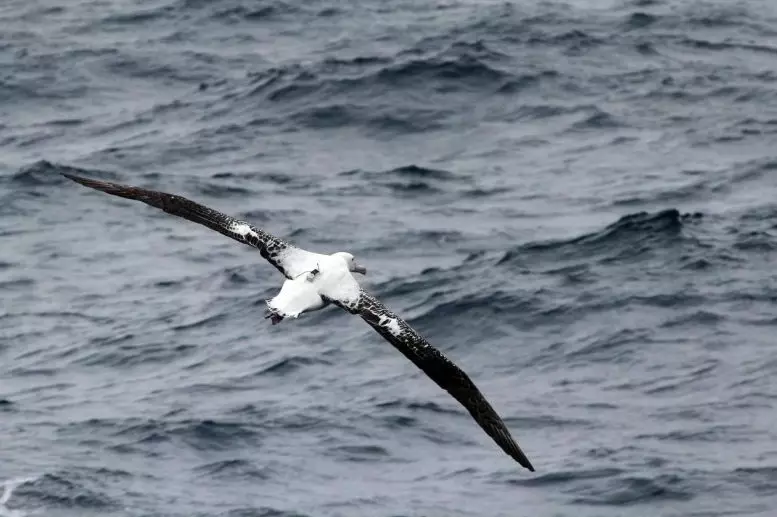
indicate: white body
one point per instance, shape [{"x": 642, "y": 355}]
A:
[
  {"x": 308, "y": 291},
  {"x": 297, "y": 296}
]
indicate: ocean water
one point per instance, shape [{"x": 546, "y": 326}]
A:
[{"x": 576, "y": 202}]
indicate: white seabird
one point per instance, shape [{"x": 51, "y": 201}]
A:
[{"x": 315, "y": 280}]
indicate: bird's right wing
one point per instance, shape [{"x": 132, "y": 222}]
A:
[
  {"x": 439, "y": 368},
  {"x": 287, "y": 258}
]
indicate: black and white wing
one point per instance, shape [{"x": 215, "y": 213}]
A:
[
  {"x": 288, "y": 259},
  {"x": 440, "y": 369}
]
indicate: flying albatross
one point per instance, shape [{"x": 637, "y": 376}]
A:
[{"x": 313, "y": 281}]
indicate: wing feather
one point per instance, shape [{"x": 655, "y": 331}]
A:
[
  {"x": 440, "y": 369},
  {"x": 287, "y": 258}
]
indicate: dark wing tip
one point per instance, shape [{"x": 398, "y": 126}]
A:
[
  {"x": 519, "y": 456},
  {"x": 506, "y": 442},
  {"x": 150, "y": 197},
  {"x": 77, "y": 179},
  {"x": 515, "y": 452},
  {"x": 87, "y": 182}
]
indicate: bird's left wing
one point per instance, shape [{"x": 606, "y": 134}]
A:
[
  {"x": 287, "y": 258},
  {"x": 439, "y": 368}
]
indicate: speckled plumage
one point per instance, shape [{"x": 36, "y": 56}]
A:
[
  {"x": 287, "y": 258},
  {"x": 441, "y": 370},
  {"x": 331, "y": 283}
]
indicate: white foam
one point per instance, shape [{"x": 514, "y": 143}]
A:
[{"x": 8, "y": 488}]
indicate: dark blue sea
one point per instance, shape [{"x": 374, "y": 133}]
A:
[{"x": 576, "y": 202}]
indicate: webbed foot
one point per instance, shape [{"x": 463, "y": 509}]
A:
[{"x": 274, "y": 317}]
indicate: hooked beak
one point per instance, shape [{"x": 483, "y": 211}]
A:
[{"x": 360, "y": 269}]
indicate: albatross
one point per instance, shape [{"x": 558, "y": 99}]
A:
[{"x": 314, "y": 281}]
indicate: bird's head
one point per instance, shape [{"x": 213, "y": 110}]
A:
[{"x": 351, "y": 262}]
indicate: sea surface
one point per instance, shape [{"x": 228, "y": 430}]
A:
[{"x": 575, "y": 201}]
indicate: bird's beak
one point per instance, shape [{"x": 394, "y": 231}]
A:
[{"x": 360, "y": 269}]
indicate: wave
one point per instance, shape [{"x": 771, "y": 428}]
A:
[
  {"x": 382, "y": 93},
  {"x": 77, "y": 488},
  {"x": 234, "y": 468},
  {"x": 360, "y": 453},
  {"x": 632, "y": 490},
  {"x": 416, "y": 406},
  {"x": 289, "y": 364},
  {"x": 9, "y": 487},
  {"x": 464, "y": 70},
  {"x": 562, "y": 477},
  {"x": 30, "y": 185},
  {"x": 426, "y": 85},
  {"x": 202, "y": 434},
  {"x": 629, "y": 237},
  {"x": 406, "y": 180},
  {"x": 272, "y": 11},
  {"x": 460, "y": 65},
  {"x": 411, "y": 171},
  {"x": 43, "y": 172},
  {"x": 262, "y": 511}
]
